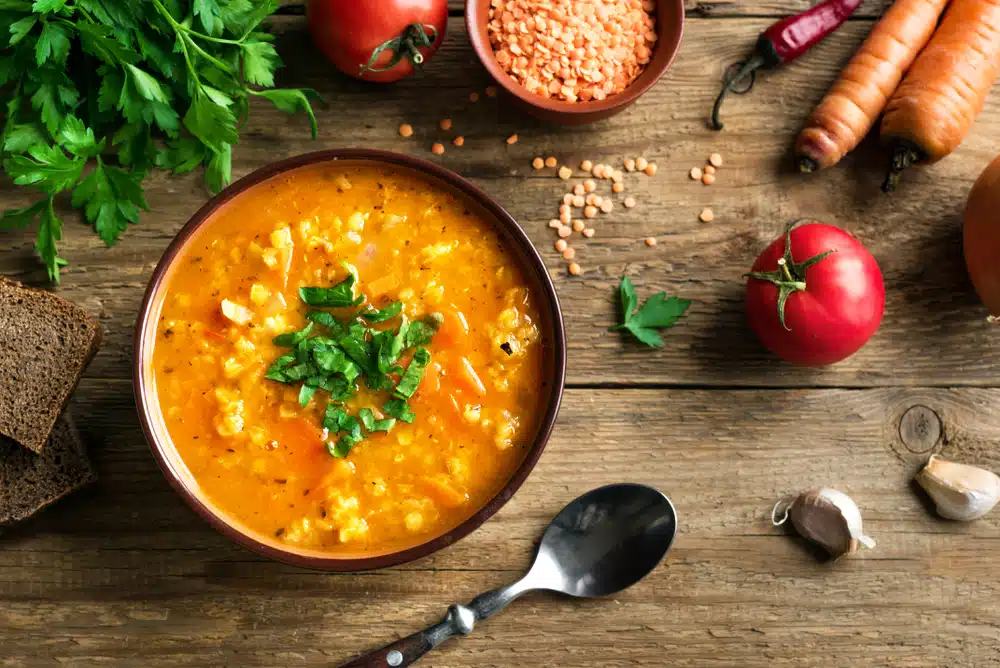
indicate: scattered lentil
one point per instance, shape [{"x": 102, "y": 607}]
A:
[
  {"x": 606, "y": 206},
  {"x": 565, "y": 231},
  {"x": 405, "y": 130},
  {"x": 567, "y": 199},
  {"x": 491, "y": 91},
  {"x": 458, "y": 141},
  {"x": 589, "y": 186},
  {"x": 708, "y": 179},
  {"x": 551, "y": 161},
  {"x": 617, "y": 177},
  {"x": 578, "y": 189},
  {"x": 650, "y": 241},
  {"x": 569, "y": 253},
  {"x": 572, "y": 50},
  {"x": 445, "y": 124},
  {"x": 598, "y": 171},
  {"x": 588, "y": 232},
  {"x": 575, "y": 269},
  {"x": 715, "y": 160},
  {"x": 629, "y": 202},
  {"x": 630, "y": 165},
  {"x": 709, "y": 169},
  {"x": 706, "y": 216},
  {"x": 578, "y": 225},
  {"x": 590, "y": 211},
  {"x": 598, "y": 200},
  {"x": 586, "y": 165},
  {"x": 511, "y": 139},
  {"x": 537, "y": 163},
  {"x": 563, "y": 209},
  {"x": 437, "y": 148},
  {"x": 650, "y": 169},
  {"x": 578, "y": 201},
  {"x": 473, "y": 97},
  {"x": 617, "y": 187},
  {"x": 641, "y": 164},
  {"x": 565, "y": 172},
  {"x": 555, "y": 224},
  {"x": 565, "y": 217},
  {"x": 695, "y": 173},
  {"x": 561, "y": 245},
  {"x": 589, "y": 199}
]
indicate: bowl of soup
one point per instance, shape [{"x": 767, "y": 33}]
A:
[{"x": 349, "y": 359}]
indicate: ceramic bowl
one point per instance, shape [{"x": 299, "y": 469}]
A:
[
  {"x": 669, "y": 29},
  {"x": 177, "y": 473}
]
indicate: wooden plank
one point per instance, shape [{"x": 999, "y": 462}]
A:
[
  {"x": 701, "y": 8},
  {"x": 934, "y": 331},
  {"x": 126, "y": 571}
]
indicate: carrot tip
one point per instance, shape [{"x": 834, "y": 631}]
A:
[{"x": 807, "y": 165}]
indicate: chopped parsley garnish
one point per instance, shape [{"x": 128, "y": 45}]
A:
[
  {"x": 657, "y": 312},
  {"x": 332, "y": 355},
  {"x": 340, "y": 295}
]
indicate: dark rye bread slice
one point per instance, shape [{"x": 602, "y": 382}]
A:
[
  {"x": 31, "y": 481},
  {"x": 45, "y": 344}
]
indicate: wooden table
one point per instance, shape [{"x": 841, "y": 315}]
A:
[{"x": 127, "y": 575}]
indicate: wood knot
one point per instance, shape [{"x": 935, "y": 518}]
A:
[{"x": 920, "y": 429}]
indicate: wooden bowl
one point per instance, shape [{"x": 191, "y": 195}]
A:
[
  {"x": 669, "y": 29},
  {"x": 177, "y": 473}
]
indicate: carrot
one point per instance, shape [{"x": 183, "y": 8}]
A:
[
  {"x": 934, "y": 108},
  {"x": 454, "y": 328},
  {"x": 468, "y": 378},
  {"x": 442, "y": 493},
  {"x": 855, "y": 101}
]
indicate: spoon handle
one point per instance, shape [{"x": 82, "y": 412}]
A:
[{"x": 460, "y": 620}]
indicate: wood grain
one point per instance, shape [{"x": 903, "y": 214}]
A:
[
  {"x": 125, "y": 571},
  {"x": 933, "y": 320},
  {"x": 125, "y": 575}
]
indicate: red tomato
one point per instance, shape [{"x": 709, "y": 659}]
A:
[
  {"x": 833, "y": 302},
  {"x": 377, "y": 40}
]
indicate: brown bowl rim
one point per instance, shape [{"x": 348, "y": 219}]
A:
[
  {"x": 619, "y": 101},
  {"x": 507, "y": 225}
]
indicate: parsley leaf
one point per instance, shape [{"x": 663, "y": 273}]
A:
[
  {"x": 367, "y": 418},
  {"x": 219, "y": 168},
  {"x": 390, "y": 311},
  {"x": 657, "y": 312},
  {"x": 292, "y": 339},
  {"x": 78, "y": 139},
  {"x": 414, "y": 374},
  {"x": 49, "y": 232},
  {"x": 20, "y": 29},
  {"x": 209, "y": 13},
  {"x": 421, "y": 332},
  {"x": 214, "y": 125},
  {"x": 291, "y": 100},
  {"x": 17, "y": 218},
  {"x": 111, "y": 198},
  {"x": 399, "y": 409},
  {"x": 340, "y": 295},
  {"x": 182, "y": 155},
  {"x": 21, "y": 137},
  {"x": 47, "y": 168},
  {"x": 47, "y": 6},
  {"x": 52, "y": 44},
  {"x": 260, "y": 60}
]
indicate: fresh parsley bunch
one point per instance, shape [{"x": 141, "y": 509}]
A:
[{"x": 96, "y": 93}]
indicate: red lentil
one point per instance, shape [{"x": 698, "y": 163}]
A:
[
  {"x": 606, "y": 206},
  {"x": 572, "y": 50},
  {"x": 445, "y": 124},
  {"x": 565, "y": 172},
  {"x": 630, "y": 165},
  {"x": 561, "y": 245},
  {"x": 578, "y": 225},
  {"x": 537, "y": 163},
  {"x": 569, "y": 253},
  {"x": 641, "y": 164},
  {"x": 586, "y": 165},
  {"x": 651, "y": 241},
  {"x": 590, "y": 211},
  {"x": 437, "y": 148},
  {"x": 589, "y": 185},
  {"x": 511, "y": 139},
  {"x": 715, "y": 160},
  {"x": 458, "y": 141},
  {"x": 575, "y": 269},
  {"x": 706, "y": 216},
  {"x": 708, "y": 179},
  {"x": 588, "y": 232},
  {"x": 695, "y": 173},
  {"x": 578, "y": 189},
  {"x": 565, "y": 231},
  {"x": 629, "y": 202},
  {"x": 405, "y": 130},
  {"x": 551, "y": 161},
  {"x": 578, "y": 201},
  {"x": 650, "y": 169},
  {"x": 709, "y": 169},
  {"x": 473, "y": 97},
  {"x": 555, "y": 224},
  {"x": 617, "y": 187},
  {"x": 491, "y": 91}
]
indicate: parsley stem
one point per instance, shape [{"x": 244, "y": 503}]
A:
[{"x": 207, "y": 56}]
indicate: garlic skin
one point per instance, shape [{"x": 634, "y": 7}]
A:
[
  {"x": 829, "y": 518},
  {"x": 960, "y": 491}
]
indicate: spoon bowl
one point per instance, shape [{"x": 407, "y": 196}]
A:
[
  {"x": 605, "y": 541},
  {"x": 601, "y": 543}
]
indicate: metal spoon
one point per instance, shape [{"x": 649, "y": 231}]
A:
[{"x": 601, "y": 543}]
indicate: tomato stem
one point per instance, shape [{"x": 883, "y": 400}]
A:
[
  {"x": 790, "y": 276},
  {"x": 405, "y": 45}
]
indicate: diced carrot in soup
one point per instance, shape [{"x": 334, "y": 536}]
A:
[{"x": 257, "y": 452}]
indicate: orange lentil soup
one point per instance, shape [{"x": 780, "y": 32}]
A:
[{"x": 256, "y": 452}]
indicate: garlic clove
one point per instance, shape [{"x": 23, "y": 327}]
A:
[
  {"x": 960, "y": 491},
  {"x": 831, "y": 519}
]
